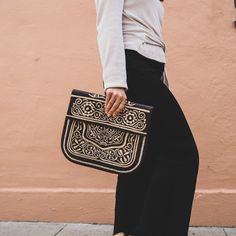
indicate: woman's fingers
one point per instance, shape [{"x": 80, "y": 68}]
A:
[
  {"x": 115, "y": 101},
  {"x": 120, "y": 108},
  {"x": 114, "y": 107},
  {"x": 110, "y": 99}
]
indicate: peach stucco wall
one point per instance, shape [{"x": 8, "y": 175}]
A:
[{"x": 47, "y": 48}]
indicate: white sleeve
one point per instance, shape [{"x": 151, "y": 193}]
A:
[{"x": 110, "y": 42}]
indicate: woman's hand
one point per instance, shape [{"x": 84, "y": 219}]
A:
[{"x": 115, "y": 101}]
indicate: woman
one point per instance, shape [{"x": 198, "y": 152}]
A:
[{"x": 156, "y": 199}]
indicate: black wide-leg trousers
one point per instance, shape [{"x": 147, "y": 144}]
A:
[{"x": 156, "y": 199}]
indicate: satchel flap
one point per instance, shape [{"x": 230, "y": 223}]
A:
[{"x": 91, "y": 107}]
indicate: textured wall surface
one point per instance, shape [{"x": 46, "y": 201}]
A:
[{"x": 48, "y": 48}]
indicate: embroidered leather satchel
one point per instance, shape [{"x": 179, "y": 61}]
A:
[{"x": 112, "y": 144}]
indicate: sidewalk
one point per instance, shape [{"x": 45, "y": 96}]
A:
[{"x": 9, "y": 228}]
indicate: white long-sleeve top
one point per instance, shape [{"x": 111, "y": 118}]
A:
[{"x": 132, "y": 24}]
